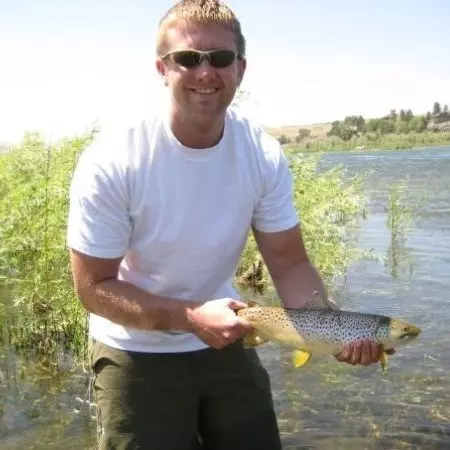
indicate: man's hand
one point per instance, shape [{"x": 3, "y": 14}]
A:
[
  {"x": 216, "y": 323},
  {"x": 362, "y": 352}
]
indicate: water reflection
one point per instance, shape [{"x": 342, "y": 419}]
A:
[{"x": 36, "y": 407}]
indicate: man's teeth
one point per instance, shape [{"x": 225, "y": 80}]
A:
[{"x": 205, "y": 91}]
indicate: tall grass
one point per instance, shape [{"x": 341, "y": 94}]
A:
[
  {"x": 401, "y": 212},
  {"x": 43, "y": 312}
]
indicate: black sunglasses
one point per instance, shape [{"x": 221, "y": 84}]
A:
[{"x": 193, "y": 58}]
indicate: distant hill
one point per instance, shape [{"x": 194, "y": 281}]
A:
[{"x": 318, "y": 131}]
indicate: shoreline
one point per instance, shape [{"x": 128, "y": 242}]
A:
[{"x": 292, "y": 149}]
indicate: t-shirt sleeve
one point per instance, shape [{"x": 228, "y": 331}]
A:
[
  {"x": 99, "y": 224},
  {"x": 275, "y": 210}
]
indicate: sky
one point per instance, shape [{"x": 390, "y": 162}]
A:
[{"x": 65, "y": 64}]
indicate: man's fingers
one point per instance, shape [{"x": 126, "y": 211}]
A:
[
  {"x": 344, "y": 355},
  {"x": 370, "y": 353},
  {"x": 374, "y": 352},
  {"x": 366, "y": 353},
  {"x": 356, "y": 353},
  {"x": 362, "y": 352}
]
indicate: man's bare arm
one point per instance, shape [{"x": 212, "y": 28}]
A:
[
  {"x": 102, "y": 293},
  {"x": 96, "y": 284},
  {"x": 294, "y": 276}
]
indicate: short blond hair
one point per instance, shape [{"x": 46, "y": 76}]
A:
[{"x": 199, "y": 12}]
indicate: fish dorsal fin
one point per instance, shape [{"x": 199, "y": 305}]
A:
[{"x": 317, "y": 302}]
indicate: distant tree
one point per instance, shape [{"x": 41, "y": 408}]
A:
[
  {"x": 334, "y": 131},
  {"x": 428, "y": 116},
  {"x": 445, "y": 115},
  {"x": 386, "y": 126},
  {"x": 418, "y": 124},
  {"x": 302, "y": 134},
  {"x": 393, "y": 115},
  {"x": 372, "y": 125},
  {"x": 283, "y": 139},
  {"x": 401, "y": 127},
  {"x": 361, "y": 123},
  {"x": 347, "y": 133},
  {"x": 355, "y": 122},
  {"x": 402, "y": 115},
  {"x": 409, "y": 115},
  {"x": 436, "y": 109},
  {"x": 348, "y": 128}
]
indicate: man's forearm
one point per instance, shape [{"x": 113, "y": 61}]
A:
[
  {"x": 129, "y": 305},
  {"x": 297, "y": 285}
]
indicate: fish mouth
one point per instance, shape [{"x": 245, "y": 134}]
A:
[
  {"x": 411, "y": 331},
  {"x": 401, "y": 329}
]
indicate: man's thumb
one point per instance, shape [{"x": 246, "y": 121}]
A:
[{"x": 235, "y": 305}]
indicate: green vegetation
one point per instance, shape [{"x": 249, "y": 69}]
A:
[
  {"x": 396, "y": 130},
  {"x": 401, "y": 211},
  {"x": 399, "y": 216},
  {"x": 43, "y": 313},
  {"x": 374, "y": 141},
  {"x": 330, "y": 206},
  {"x": 402, "y": 123}
]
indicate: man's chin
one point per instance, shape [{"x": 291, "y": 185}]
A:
[{"x": 207, "y": 113}]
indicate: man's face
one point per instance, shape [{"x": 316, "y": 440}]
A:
[{"x": 201, "y": 93}]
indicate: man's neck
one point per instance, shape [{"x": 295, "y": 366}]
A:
[{"x": 195, "y": 133}]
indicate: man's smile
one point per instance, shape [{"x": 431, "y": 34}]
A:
[{"x": 204, "y": 91}]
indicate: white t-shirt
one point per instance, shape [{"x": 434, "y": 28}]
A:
[{"x": 179, "y": 216}]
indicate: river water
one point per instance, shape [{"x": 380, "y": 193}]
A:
[{"x": 324, "y": 405}]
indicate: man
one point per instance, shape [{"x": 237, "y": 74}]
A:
[{"x": 159, "y": 216}]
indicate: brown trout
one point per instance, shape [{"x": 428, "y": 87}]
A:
[{"x": 322, "y": 329}]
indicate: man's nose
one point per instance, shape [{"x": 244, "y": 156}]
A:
[{"x": 204, "y": 71}]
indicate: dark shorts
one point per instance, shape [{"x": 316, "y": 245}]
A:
[{"x": 204, "y": 400}]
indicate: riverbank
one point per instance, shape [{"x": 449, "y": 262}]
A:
[{"x": 372, "y": 142}]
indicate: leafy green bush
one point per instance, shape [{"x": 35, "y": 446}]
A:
[
  {"x": 34, "y": 266},
  {"x": 330, "y": 206}
]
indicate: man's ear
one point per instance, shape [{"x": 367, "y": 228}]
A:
[
  {"x": 241, "y": 70},
  {"x": 162, "y": 69}
]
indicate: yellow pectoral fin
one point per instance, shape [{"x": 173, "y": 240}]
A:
[
  {"x": 300, "y": 358},
  {"x": 252, "y": 339},
  {"x": 383, "y": 360}
]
